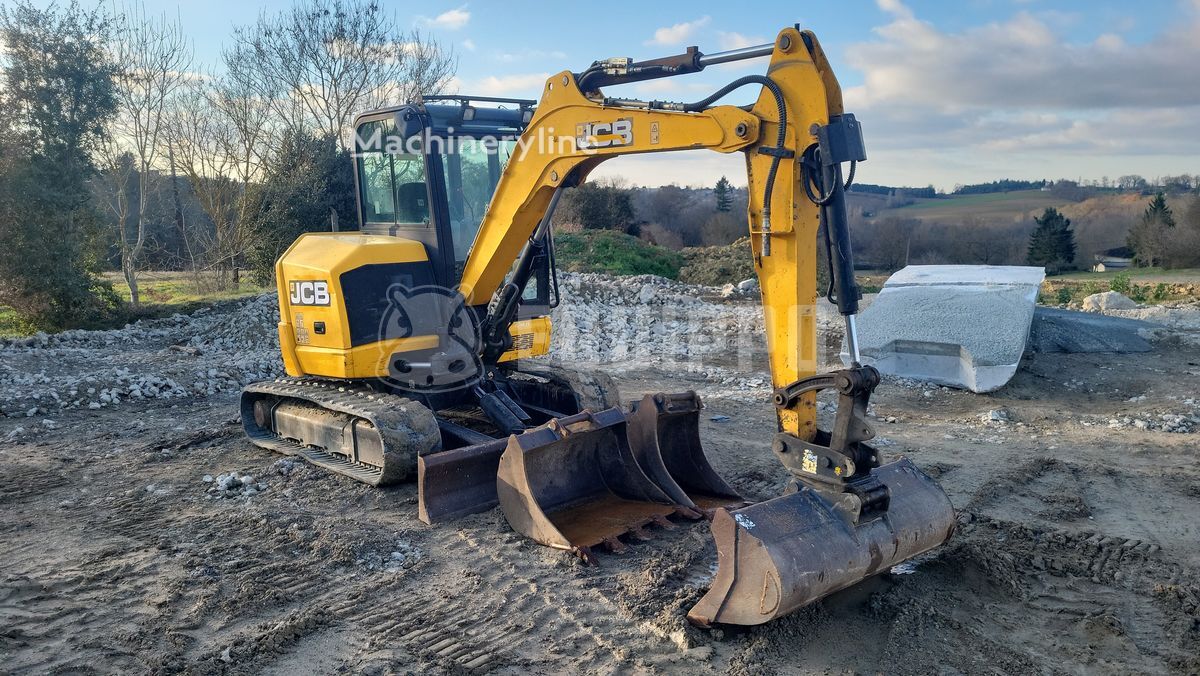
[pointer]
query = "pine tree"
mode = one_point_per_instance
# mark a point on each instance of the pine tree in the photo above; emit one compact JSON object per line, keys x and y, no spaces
{"x":724,"y":193}
{"x":1148,"y":237}
{"x":1052,"y":244}
{"x":1159,"y":211}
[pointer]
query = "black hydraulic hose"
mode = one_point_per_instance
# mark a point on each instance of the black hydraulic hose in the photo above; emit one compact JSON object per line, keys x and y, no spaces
{"x":780,"y":140}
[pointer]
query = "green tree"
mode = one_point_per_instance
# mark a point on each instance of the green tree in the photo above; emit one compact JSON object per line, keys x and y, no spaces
{"x":1149,"y":237}
{"x":57,"y":95}
{"x":724,"y":194}
{"x":597,"y":206}
{"x":311,"y":179}
{"x":1052,"y":244}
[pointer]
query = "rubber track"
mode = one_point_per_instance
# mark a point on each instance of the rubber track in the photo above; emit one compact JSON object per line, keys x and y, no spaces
{"x":407,"y":428}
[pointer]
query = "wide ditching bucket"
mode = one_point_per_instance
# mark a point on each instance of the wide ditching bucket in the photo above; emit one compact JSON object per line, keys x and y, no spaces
{"x":779,"y":555}
{"x":664,"y":433}
{"x":575,"y":484}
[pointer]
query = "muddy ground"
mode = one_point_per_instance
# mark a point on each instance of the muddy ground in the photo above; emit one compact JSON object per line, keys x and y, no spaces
{"x":1076,"y":553}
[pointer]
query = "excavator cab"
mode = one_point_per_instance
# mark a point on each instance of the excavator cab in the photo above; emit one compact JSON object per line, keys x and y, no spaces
{"x":426,"y":171}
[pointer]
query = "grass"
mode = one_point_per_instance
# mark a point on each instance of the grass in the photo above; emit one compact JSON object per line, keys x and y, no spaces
{"x":1183,"y":276}
{"x":10,"y":325}
{"x":162,"y":294}
{"x":173,"y":289}
{"x":615,"y":253}
{"x":1144,"y":285}
{"x":1015,"y":204}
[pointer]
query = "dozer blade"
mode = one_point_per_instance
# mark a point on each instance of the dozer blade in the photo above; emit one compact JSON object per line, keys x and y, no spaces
{"x":345,"y":428}
{"x":782,"y":554}
{"x":574,"y":484}
{"x":664,"y":433}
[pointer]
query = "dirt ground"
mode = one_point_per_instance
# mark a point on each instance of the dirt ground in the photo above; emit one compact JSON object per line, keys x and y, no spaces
{"x":1076,"y":551}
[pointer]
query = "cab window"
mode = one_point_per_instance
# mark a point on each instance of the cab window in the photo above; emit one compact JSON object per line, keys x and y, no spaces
{"x":393,"y":185}
{"x":472,"y":171}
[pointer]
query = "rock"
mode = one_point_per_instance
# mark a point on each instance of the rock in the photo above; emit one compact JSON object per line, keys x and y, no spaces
{"x":647,"y":294}
{"x":1109,"y":300}
{"x":728,"y":290}
{"x":720,"y":418}
{"x":227,"y":482}
{"x":996,"y":415}
{"x":748,"y":285}
{"x":208,"y":478}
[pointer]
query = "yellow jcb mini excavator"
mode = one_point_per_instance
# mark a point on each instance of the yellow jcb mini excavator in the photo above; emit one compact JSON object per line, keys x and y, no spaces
{"x":408,"y":342}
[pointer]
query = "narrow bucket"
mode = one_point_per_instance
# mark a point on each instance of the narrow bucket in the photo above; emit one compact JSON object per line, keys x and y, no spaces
{"x":785,"y":553}
{"x":664,"y":433}
{"x":574,"y":484}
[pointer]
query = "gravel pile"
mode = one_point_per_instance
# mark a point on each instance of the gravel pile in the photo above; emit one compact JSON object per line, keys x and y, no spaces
{"x":641,"y":321}
{"x":623,"y":323}
{"x":214,"y":350}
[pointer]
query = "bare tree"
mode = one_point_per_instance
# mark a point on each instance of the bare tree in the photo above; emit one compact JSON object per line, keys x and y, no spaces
{"x":217,"y":136}
{"x":323,"y":61}
{"x":154,"y":56}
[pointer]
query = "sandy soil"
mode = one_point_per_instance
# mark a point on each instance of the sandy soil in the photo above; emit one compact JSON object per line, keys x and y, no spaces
{"x":1076,"y":551}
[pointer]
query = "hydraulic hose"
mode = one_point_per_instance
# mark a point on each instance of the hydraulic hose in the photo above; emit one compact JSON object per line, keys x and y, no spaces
{"x":777,"y":152}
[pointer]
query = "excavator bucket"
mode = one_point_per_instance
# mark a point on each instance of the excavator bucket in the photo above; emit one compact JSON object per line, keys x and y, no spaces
{"x":574,"y":484}
{"x":779,"y":555}
{"x":664,"y":432}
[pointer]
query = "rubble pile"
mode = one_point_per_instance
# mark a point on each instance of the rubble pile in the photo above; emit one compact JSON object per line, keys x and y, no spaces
{"x":213,"y":350}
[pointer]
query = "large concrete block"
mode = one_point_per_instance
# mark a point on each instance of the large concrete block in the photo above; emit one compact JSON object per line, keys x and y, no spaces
{"x":957,"y":325}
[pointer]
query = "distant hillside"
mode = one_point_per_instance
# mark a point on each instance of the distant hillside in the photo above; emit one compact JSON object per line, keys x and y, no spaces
{"x":1009,"y":206}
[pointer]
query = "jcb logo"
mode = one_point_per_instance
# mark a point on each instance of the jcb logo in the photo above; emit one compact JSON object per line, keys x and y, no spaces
{"x":589,"y":135}
{"x":309,"y":293}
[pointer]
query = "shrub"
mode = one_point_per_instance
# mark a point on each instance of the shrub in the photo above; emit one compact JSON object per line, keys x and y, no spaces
{"x":1064,"y":295}
{"x":1121,"y":283}
{"x":1161,"y":291}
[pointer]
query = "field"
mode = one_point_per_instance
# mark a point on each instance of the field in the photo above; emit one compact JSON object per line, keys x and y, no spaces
{"x":163,"y":293}
{"x":1016,"y":205}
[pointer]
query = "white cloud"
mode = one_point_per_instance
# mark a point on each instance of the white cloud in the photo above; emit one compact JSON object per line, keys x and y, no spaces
{"x":739,"y":41}
{"x":450,"y":20}
{"x":679,"y":33}
{"x":1019,"y":98}
{"x":895,"y":8}
{"x":527,"y":84}
{"x":1021,"y":62}
{"x":468,"y":45}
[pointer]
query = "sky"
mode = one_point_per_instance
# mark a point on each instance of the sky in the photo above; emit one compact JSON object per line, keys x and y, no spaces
{"x":947,"y":92}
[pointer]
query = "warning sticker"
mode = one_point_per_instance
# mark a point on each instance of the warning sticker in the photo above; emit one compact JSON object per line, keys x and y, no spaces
{"x":809,"y":464}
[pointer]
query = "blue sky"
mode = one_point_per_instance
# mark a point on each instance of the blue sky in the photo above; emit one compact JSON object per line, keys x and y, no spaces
{"x":948,"y":92}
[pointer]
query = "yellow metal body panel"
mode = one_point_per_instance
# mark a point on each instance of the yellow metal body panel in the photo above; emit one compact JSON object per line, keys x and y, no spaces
{"x":323,"y":257}
{"x":549,"y":151}
{"x":531,"y":338}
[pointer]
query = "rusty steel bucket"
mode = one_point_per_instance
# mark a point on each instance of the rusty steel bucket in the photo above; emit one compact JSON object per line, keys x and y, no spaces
{"x":779,"y":555}
{"x":664,"y":433}
{"x":574,"y":484}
